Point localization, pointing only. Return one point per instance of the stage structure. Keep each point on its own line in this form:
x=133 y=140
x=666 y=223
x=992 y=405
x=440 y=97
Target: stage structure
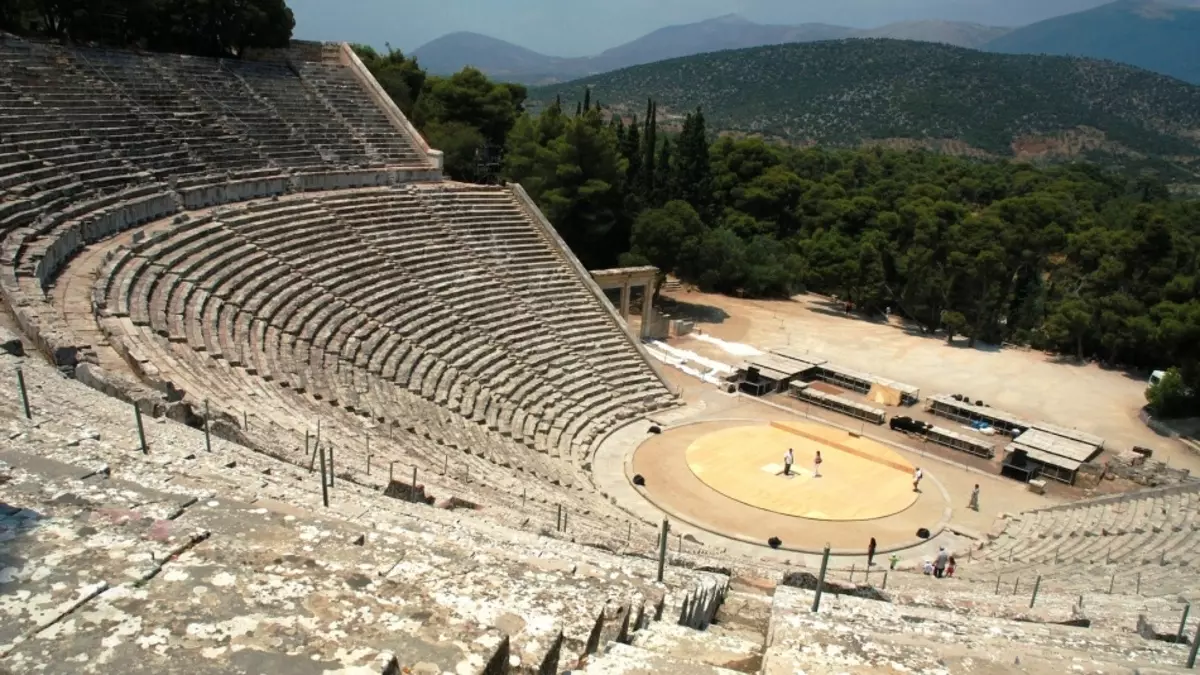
x=626 y=279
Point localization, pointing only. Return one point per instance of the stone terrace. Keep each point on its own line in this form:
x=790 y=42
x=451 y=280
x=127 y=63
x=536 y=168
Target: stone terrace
x=226 y=561
x=1148 y=539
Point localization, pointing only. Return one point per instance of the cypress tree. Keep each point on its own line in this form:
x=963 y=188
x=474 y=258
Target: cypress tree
x=692 y=174
x=649 y=146
x=664 y=191
x=587 y=99
x=578 y=109
x=631 y=149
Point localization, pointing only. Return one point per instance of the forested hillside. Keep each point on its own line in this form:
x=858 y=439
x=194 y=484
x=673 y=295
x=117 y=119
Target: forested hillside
x=1070 y=258
x=851 y=91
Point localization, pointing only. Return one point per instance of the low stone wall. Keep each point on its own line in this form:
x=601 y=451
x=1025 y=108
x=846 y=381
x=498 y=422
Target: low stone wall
x=233 y=191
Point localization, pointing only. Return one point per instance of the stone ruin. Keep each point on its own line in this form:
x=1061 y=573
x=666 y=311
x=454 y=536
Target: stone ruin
x=262 y=259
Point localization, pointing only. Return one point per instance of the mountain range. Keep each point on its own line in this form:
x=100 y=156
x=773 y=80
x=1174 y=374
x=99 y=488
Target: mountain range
x=504 y=60
x=1159 y=36
x=918 y=94
x=1163 y=36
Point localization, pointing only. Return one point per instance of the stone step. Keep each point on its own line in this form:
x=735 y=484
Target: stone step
x=622 y=659
x=708 y=647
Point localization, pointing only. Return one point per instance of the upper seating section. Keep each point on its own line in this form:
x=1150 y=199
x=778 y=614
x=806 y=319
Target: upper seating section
x=114 y=117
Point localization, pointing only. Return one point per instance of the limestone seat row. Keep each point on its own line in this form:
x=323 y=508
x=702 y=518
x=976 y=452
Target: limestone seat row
x=1152 y=534
x=268 y=580
x=285 y=290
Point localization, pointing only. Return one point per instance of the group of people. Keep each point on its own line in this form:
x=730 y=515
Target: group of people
x=942 y=566
x=789 y=458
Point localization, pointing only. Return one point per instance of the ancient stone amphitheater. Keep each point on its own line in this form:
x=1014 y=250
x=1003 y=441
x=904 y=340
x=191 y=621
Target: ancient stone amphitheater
x=266 y=250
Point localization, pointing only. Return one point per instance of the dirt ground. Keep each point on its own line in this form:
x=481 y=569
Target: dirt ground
x=1028 y=383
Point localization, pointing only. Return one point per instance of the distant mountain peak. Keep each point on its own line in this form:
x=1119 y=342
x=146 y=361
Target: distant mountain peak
x=730 y=19
x=1151 y=34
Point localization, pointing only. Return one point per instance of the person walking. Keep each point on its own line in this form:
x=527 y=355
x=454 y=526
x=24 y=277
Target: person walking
x=917 y=476
x=817 y=465
x=939 y=563
x=950 y=568
x=974 y=505
x=788 y=460
x=871 y=552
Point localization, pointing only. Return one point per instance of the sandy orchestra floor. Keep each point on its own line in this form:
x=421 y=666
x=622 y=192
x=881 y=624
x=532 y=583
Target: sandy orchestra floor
x=859 y=478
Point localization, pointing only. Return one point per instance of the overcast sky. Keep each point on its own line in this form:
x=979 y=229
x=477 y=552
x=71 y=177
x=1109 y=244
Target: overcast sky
x=586 y=27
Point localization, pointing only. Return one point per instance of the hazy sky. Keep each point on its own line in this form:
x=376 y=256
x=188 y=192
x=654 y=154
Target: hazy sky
x=585 y=27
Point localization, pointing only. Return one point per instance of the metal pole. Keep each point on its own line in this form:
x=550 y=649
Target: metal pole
x=331 y=465
x=821 y=579
x=413 y=492
x=1016 y=584
x=324 y=482
x=24 y=393
x=368 y=464
x=392 y=471
x=851 y=573
x=446 y=465
x=1191 y=662
x=969 y=552
x=1139 y=584
x=137 y=416
x=662 y=548
x=1112 y=581
x=884 y=586
x=312 y=457
x=306 y=433
x=629 y=533
x=680 y=543
x=1183 y=622
x=208 y=433
x=318 y=431
x=245 y=422
x=1036 y=585
x=522 y=499
x=997 y=584
x=558 y=519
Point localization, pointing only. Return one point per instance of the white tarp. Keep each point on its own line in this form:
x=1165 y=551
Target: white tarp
x=689 y=362
x=734 y=348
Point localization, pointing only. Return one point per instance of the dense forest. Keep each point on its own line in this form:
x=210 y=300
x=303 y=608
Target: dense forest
x=201 y=27
x=1072 y=258
x=905 y=93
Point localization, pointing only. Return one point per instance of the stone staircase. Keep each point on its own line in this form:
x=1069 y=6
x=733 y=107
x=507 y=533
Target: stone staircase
x=731 y=642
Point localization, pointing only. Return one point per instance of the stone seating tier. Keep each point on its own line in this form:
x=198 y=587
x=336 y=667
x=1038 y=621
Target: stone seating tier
x=370 y=577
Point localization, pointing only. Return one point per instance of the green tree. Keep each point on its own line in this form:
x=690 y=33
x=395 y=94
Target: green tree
x=659 y=235
x=692 y=171
x=400 y=76
x=954 y=323
x=1069 y=323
